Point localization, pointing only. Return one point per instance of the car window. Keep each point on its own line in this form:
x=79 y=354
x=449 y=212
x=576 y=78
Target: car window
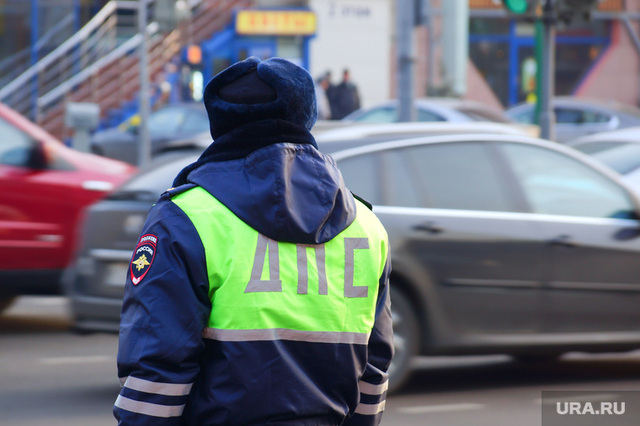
x=15 y=145
x=400 y=187
x=569 y=116
x=361 y=175
x=523 y=117
x=456 y=176
x=378 y=115
x=390 y=115
x=424 y=115
x=595 y=117
x=166 y=121
x=556 y=184
x=196 y=122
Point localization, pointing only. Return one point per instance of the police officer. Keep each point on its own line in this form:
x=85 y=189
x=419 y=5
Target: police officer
x=258 y=290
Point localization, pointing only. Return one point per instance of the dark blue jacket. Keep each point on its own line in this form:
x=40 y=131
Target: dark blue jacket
x=172 y=376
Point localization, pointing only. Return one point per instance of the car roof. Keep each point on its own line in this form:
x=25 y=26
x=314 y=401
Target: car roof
x=452 y=109
x=572 y=101
x=444 y=101
x=377 y=132
x=166 y=165
x=596 y=102
x=628 y=134
x=414 y=129
x=347 y=148
x=358 y=146
x=353 y=147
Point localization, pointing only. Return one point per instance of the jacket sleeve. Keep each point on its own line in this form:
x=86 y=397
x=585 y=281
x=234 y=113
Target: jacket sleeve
x=162 y=319
x=375 y=381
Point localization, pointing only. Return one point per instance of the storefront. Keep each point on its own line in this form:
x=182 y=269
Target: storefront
x=263 y=33
x=502 y=49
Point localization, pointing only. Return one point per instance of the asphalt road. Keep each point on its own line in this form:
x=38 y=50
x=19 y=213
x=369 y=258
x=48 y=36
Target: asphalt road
x=52 y=377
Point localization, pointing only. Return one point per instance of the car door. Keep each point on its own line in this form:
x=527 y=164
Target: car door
x=589 y=221
x=30 y=230
x=39 y=206
x=452 y=216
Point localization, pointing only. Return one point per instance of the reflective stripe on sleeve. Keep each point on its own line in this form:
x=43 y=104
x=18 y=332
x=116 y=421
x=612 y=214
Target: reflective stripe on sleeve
x=285 y=334
x=370 y=409
x=168 y=389
x=371 y=389
x=149 y=409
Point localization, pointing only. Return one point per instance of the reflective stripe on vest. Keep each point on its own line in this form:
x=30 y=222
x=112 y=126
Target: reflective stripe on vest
x=255 y=283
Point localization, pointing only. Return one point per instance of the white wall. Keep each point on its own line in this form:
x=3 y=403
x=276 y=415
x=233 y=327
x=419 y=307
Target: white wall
x=354 y=34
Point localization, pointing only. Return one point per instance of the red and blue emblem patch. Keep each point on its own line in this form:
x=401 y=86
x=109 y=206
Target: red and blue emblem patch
x=143 y=257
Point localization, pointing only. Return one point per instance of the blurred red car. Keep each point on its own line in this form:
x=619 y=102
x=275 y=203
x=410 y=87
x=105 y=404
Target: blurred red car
x=44 y=187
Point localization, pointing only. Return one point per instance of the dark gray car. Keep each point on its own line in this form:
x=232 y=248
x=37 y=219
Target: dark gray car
x=500 y=244
x=168 y=124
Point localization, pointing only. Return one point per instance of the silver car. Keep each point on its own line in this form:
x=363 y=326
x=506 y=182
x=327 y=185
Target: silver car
x=576 y=117
x=429 y=110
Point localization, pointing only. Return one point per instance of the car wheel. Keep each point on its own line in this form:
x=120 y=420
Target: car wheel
x=406 y=336
x=6 y=301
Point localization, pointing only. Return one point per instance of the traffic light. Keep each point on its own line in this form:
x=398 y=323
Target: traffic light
x=523 y=8
x=516 y=6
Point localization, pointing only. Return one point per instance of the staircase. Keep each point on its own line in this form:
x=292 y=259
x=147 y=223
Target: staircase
x=99 y=64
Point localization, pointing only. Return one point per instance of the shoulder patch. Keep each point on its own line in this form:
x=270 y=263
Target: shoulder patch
x=143 y=256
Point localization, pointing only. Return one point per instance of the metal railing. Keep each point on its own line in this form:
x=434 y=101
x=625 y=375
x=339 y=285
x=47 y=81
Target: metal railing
x=98 y=38
x=16 y=64
x=100 y=63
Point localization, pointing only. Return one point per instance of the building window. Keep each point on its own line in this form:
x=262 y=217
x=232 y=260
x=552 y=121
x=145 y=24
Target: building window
x=503 y=51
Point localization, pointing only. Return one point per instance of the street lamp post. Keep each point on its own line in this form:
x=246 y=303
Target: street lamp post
x=144 y=149
x=404 y=46
x=547 y=86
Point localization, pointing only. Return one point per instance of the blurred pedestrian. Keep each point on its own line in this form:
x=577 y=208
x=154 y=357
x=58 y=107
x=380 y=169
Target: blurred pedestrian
x=322 y=99
x=258 y=291
x=161 y=88
x=346 y=97
x=186 y=83
x=331 y=94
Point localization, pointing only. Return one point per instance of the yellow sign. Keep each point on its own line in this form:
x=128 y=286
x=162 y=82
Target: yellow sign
x=275 y=22
x=485 y=4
